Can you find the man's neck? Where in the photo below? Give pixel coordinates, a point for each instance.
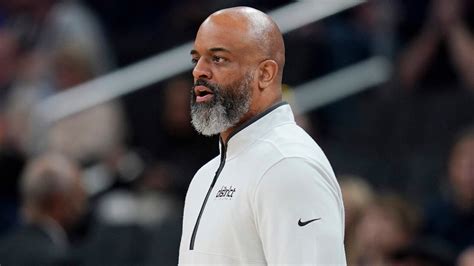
(228, 132)
(250, 114)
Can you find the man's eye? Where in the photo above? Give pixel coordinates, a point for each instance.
(194, 61)
(218, 59)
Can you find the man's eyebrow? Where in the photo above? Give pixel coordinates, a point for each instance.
(214, 49)
(219, 49)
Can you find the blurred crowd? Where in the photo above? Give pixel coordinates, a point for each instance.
(106, 186)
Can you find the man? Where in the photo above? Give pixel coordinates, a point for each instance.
(271, 196)
(451, 217)
(53, 199)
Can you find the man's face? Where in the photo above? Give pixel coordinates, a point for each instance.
(220, 109)
(223, 77)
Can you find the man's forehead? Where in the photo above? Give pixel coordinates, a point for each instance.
(223, 35)
(216, 38)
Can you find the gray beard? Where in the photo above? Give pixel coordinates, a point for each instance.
(225, 110)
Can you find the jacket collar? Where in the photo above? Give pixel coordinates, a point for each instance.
(256, 127)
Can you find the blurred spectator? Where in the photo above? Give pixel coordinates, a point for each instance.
(54, 199)
(45, 26)
(94, 137)
(45, 29)
(387, 225)
(440, 56)
(97, 132)
(452, 218)
(357, 196)
(467, 257)
(9, 64)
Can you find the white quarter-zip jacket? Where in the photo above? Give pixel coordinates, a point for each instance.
(271, 197)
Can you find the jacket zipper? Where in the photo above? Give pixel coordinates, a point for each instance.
(218, 172)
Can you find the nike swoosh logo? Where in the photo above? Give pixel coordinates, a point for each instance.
(300, 223)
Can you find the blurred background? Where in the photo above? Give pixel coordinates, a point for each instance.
(97, 149)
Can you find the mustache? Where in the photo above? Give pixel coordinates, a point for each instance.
(205, 83)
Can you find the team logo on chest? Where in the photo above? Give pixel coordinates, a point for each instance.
(225, 192)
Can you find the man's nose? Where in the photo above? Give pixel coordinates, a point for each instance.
(201, 70)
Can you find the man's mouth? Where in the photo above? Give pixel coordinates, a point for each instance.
(203, 93)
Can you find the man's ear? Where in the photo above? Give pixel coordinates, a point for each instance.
(267, 72)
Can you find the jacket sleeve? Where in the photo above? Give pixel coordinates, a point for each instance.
(290, 194)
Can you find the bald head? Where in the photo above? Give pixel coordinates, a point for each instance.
(258, 32)
(51, 186)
